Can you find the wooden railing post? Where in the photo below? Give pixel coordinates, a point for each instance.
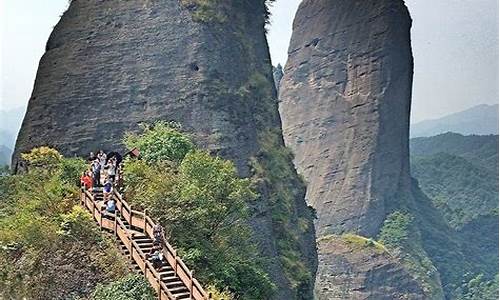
(131, 247)
(116, 216)
(145, 222)
(121, 206)
(175, 262)
(191, 284)
(130, 216)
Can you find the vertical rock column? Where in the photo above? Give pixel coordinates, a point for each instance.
(345, 105)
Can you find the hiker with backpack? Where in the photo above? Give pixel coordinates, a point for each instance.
(158, 234)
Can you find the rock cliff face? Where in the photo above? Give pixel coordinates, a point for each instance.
(345, 102)
(110, 65)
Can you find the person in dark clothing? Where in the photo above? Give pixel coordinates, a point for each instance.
(158, 234)
(156, 256)
(96, 172)
(107, 189)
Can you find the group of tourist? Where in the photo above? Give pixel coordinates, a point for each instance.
(102, 173)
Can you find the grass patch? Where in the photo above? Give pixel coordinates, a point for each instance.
(205, 11)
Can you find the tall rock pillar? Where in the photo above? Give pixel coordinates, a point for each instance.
(345, 107)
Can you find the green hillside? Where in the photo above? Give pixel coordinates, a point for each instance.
(480, 150)
(460, 176)
(461, 189)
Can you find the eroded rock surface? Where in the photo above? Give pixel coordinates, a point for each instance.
(361, 269)
(345, 102)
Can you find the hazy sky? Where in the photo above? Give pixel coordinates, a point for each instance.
(455, 44)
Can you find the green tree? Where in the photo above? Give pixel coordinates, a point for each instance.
(160, 142)
(203, 206)
(477, 288)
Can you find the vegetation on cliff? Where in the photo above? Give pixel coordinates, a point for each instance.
(131, 287)
(49, 247)
(203, 205)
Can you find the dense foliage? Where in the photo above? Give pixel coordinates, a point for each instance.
(202, 204)
(460, 175)
(275, 172)
(132, 287)
(480, 150)
(461, 190)
(160, 142)
(477, 288)
(49, 247)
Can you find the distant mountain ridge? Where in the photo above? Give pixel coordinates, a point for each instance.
(481, 150)
(10, 122)
(481, 119)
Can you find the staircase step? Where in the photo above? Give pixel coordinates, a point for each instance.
(145, 243)
(171, 278)
(183, 295)
(166, 274)
(174, 284)
(181, 289)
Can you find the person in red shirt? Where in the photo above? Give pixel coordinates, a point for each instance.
(86, 181)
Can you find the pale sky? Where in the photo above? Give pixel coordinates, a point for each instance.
(455, 44)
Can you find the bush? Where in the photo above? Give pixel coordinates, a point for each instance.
(202, 204)
(160, 142)
(396, 228)
(43, 158)
(72, 169)
(52, 249)
(477, 288)
(78, 224)
(132, 287)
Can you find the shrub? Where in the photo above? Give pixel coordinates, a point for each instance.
(132, 287)
(71, 170)
(52, 248)
(396, 228)
(160, 142)
(219, 294)
(43, 158)
(202, 204)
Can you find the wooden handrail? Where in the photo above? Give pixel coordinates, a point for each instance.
(180, 268)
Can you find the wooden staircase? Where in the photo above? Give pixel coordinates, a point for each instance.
(134, 233)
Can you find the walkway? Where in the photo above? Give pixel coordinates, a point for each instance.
(134, 231)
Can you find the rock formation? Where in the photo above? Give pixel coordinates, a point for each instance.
(277, 74)
(110, 65)
(345, 103)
